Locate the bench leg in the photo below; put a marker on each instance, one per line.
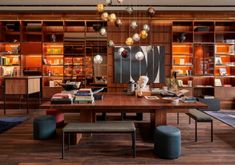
(178, 116)
(133, 144)
(62, 152)
(195, 131)
(68, 141)
(211, 130)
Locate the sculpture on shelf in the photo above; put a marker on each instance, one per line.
(181, 37)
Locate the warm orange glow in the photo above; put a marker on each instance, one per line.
(182, 49)
(33, 61)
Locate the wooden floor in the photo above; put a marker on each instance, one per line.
(18, 147)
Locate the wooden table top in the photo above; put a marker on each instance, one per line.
(124, 103)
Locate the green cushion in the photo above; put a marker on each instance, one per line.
(100, 127)
(199, 116)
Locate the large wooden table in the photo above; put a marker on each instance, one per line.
(124, 103)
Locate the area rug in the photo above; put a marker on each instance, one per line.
(10, 122)
(226, 117)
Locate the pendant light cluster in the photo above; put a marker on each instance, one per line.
(136, 37)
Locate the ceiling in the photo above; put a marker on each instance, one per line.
(84, 5)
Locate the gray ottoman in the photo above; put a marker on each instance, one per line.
(167, 142)
(44, 127)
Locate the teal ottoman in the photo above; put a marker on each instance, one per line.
(44, 127)
(167, 142)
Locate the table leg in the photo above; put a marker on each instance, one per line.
(160, 117)
(86, 116)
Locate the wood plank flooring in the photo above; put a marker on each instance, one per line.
(18, 147)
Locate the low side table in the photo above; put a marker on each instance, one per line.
(21, 85)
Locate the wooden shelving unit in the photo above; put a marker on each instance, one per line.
(54, 49)
(210, 46)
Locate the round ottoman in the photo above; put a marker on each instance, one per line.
(59, 117)
(44, 127)
(167, 142)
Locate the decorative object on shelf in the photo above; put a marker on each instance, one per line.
(190, 83)
(118, 22)
(218, 61)
(151, 11)
(112, 17)
(139, 56)
(129, 10)
(7, 70)
(103, 31)
(97, 26)
(100, 8)
(129, 41)
(202, 29)
(105, 16)
(119, 1)
(108, 2)
(134, 25)
(53, 38)
(111, 43)
(146, 27)
(181, 37)
(143, 34)
(223, 71)
(98, 59)
(136, 37)
(218, 82)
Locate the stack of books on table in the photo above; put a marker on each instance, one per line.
(84, 95)
(189, 99)
(62, 98)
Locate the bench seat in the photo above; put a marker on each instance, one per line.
(199, 116)
(109, 127)
(100, 127)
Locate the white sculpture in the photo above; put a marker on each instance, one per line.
(142, 82)
(142, 86)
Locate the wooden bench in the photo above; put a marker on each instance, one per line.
(100, 127)
(199, 116)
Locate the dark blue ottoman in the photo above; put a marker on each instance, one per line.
(44, 127)
(167, 142)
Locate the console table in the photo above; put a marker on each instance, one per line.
(21, 85)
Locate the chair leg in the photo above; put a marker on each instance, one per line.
(178, 116)
(195, 131)
(212, 131)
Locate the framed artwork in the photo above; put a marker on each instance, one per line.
(137, 61)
